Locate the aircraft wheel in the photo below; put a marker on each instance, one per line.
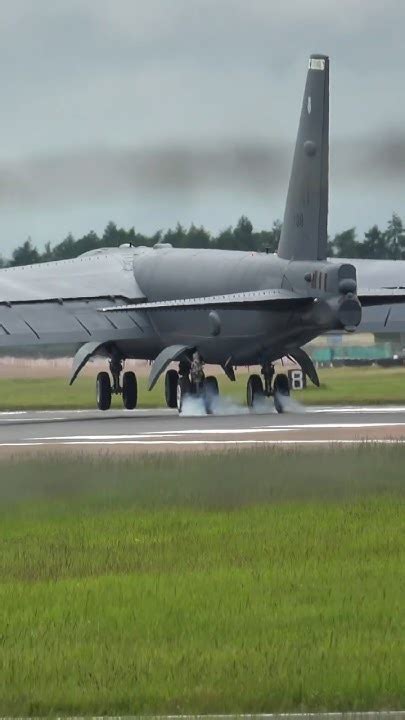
(281, 389)
(254, 390)
(211, 393)
(129, 390)
(103, 391)
(171, 382)
(183, 389)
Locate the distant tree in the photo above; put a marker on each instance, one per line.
(375, 244)
(225, 240)
(395, 237)
(268, 240)
(243, 234)
(65, 249)
(26, 254)
(177, 237)
(47, 255)
(345, 244)
(111, 235)
(88, 242)
(197, 237)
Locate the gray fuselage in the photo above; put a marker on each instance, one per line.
(53, 308)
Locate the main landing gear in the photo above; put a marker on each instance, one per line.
(105, 388)
(190, 382)
(277, 387)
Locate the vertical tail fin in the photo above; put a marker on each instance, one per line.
(305, 226)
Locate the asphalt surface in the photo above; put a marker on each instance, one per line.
(373, 715)
(165, 430)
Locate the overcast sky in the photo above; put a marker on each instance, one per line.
(150, 112)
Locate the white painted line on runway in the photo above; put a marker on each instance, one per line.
(36, 421)
(349, 409)
(138, 412)
(13, 412)
(23, 444)
(79, 443)
(92, 411)
(223, 431)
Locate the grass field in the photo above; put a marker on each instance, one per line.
(338, 386)
(254, 581)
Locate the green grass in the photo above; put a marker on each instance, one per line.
(254, 581)
(338, 386)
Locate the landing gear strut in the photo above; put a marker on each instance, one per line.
(192, 382)
(105, 389)
(276, 387)
(116, 368)
(197, 372)
(183, 384)
(268, 375)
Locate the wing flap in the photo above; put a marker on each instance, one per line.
(66, 325)
(281, 297)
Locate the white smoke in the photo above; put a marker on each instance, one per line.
(222, 406)
(291, 405)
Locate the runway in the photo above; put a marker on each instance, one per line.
(157, 430)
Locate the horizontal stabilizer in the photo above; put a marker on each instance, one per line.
(381, 296)
(273, 297)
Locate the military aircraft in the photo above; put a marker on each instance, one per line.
(201, 307)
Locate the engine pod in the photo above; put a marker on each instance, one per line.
(349, 312)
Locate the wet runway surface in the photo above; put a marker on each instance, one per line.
(164, 429)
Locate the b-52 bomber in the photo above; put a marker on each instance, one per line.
(200, 307)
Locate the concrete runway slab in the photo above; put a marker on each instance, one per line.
(165, 430)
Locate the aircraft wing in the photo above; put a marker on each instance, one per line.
(280, 298)
(65, 325)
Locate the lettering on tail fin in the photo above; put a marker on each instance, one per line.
(305, 226)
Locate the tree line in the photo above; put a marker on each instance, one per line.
(387, 244)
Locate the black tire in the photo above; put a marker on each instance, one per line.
(183, 389)
(171, 380)
(211, 393)
(129, 390)
(103, 391)
(254, 390)
(281, 389)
